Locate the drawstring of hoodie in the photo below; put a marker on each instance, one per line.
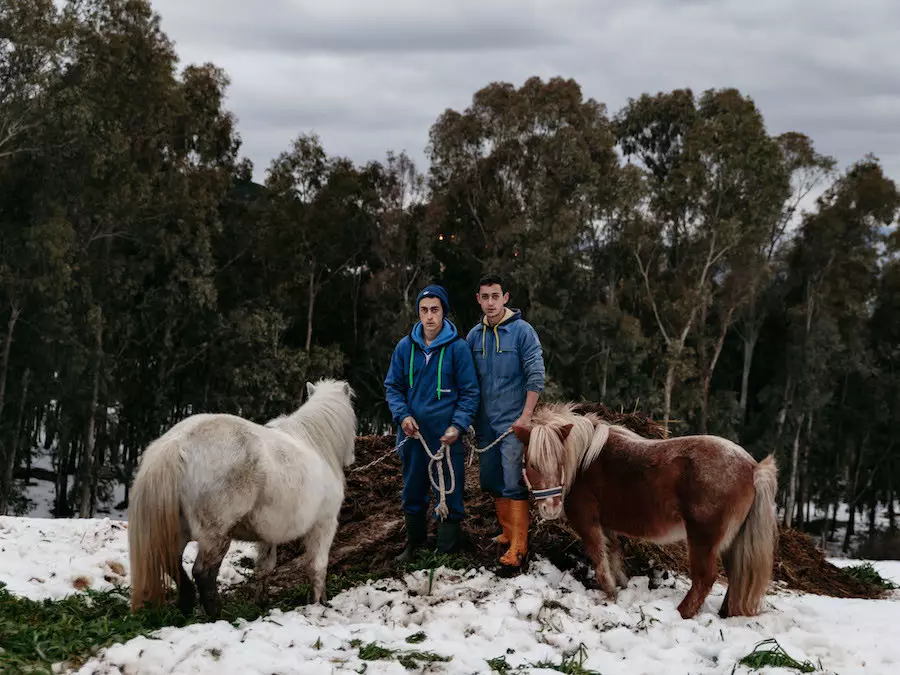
(412, 358)
(496, 336)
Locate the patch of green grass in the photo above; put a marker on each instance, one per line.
(572, 663)
(408, 659)
(374, 652)
(867, 574)
(35, 635)
(411, 660)
(775, 657)
(499, 665)
(430, 560)
(416, 638)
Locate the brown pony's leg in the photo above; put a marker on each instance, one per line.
(595, 545)
(614, 553)
(727, 566)
(211, 552)
(702, 552)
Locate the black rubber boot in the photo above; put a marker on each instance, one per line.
(416, 532)
(448, 536)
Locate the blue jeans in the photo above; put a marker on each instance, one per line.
(416, 484)
(501, 468)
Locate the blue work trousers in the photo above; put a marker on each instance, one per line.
(501, 468)
(416, 484)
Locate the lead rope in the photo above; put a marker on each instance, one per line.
(469, 441)
(438, 459)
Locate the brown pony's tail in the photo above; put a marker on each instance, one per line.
(753, 551)
(154, 526)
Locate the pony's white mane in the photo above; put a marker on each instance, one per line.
(548, 454)
(326, 421)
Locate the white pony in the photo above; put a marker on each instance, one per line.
(215, 477)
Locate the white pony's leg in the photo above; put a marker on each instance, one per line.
(318, 546)
(210, 553)
(265, 563)
(187, 592)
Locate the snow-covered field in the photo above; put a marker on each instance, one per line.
(472, 619)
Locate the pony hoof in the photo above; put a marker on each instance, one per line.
(214, 609)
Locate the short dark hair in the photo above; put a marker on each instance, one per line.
(490, 280)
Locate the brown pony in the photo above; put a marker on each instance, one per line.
(704, 489)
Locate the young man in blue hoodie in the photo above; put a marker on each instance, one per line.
(510, 364)
(432, 389)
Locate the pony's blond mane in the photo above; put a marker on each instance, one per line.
(550, 456)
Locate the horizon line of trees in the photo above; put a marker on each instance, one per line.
(659, 251)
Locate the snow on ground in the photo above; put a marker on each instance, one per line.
(51, 558)
(470, 618)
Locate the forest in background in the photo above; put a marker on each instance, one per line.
(660, 251)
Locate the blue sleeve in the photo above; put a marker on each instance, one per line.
(532, 359)
(467, 383)
(396, 385)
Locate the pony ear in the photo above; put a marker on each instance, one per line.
(565, 431)
(522, 433)
(346, 389)
(310, 389)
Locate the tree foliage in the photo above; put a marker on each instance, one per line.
(662, 253)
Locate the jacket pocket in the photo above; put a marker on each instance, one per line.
(506, 365)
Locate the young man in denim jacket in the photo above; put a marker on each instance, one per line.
(510, 365)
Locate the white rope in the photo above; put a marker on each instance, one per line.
(438, 459)
(443, 453)
(469, 440)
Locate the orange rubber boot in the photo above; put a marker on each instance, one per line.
(518, 520)
(501, 504)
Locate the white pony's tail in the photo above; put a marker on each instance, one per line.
(154, 528)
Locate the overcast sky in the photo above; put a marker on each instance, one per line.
(373, 75)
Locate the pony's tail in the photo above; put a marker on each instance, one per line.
(154, 526)
(753, 551)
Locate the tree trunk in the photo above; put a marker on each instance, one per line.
(792, 477)
(832, 527)
(855, 463)
(9, 455)
(802, 518)
(309, 311)
(61, 506)
(21, 431)
(873, 510)
(85, 507)
(710, 369)
(891, 514)
(605, 373)
(670, 384)
(749, 347)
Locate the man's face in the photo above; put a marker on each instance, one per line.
(492, 300)
(431, 314)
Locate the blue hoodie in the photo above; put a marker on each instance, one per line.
(436, 385)
(510, 363)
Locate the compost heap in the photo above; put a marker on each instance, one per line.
(371, 531)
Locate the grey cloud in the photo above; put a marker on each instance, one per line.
(369, 77)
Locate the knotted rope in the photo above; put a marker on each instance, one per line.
(438, 459)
